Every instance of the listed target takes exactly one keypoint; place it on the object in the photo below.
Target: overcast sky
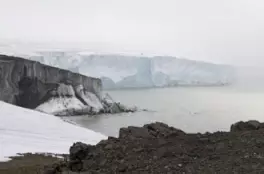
(224, 31)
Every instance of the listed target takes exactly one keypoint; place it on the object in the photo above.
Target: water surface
(192, 109)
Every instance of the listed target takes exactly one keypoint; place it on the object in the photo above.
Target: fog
(226, 31)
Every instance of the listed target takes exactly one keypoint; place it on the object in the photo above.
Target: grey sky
(224, 31)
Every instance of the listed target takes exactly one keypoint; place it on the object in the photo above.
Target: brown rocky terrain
(28, 164)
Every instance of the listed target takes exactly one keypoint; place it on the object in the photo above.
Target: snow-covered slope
(60, 104)
(23, 130)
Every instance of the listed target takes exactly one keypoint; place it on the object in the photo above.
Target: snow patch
(90, 98)
(64, 90)
(23, 130)
(59, 104)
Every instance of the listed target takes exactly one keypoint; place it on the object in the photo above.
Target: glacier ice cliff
(124, 71)
(33, 85)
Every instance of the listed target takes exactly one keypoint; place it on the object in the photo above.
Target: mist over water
(249, 77)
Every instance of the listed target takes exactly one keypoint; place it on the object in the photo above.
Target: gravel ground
(28, 164)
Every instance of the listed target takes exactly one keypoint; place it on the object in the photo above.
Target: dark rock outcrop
(246, 126)
(20, 76)
(79, 151)
(110, 106)
(154, 130)
(123, 154)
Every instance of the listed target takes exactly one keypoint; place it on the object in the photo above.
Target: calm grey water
(192, 109)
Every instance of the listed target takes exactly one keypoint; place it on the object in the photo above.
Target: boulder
(159, 129)
(115, 108)
(149, 131)
(110, 106)
(245, 126)
(78, 151)
(134, 132)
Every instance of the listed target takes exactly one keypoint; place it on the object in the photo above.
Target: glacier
(28, 131)
(118, 70)
(124, 71)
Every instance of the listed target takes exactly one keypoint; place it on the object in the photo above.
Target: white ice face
(136, 71)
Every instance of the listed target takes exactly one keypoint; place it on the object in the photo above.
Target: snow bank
(65, 90)
(60, 104)
(65, 99)
(23, 130)
(90, 98)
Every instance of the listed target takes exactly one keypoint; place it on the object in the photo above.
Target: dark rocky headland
(33, 85)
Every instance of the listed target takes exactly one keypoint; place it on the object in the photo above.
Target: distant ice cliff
(121, 71)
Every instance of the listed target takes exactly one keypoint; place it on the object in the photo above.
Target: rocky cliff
(56, 91)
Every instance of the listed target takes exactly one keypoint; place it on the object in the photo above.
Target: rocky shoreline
(67, 101)
(159, 148)
(109, 106)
